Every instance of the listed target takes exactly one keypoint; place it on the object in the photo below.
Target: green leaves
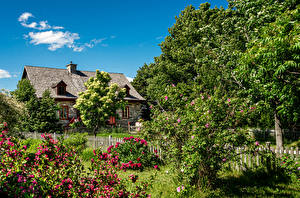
(99, 101)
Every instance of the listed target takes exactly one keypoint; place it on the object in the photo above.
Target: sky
(112, 36)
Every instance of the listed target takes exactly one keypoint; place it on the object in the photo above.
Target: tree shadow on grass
(259, 183)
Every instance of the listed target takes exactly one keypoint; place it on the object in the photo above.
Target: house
(65, 85)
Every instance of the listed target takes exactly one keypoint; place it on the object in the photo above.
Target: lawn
(231, 184)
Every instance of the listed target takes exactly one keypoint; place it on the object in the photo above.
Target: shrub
(290, 165)
(56, 171)
(77, 141)
(134, 153)
(87, 154)
(199, 134)
(32, 144)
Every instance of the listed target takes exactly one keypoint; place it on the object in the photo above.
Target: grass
(257, 183)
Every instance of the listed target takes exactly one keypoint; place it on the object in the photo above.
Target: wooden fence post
(109, 140)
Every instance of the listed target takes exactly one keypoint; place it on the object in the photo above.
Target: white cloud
(129, 79)
(42, 25)
(24, 17)
(4, 74)
(54, 37)
(94, 42)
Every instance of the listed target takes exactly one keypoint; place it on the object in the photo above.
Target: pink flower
(156, 167)
(173, 85)
(228, 100)
(178, 189)
(224, 159)
(242, 111)
(257, 143)
(207, 125)
(193, 137)
(178, 120)
(202, 97)
(192, 103)
(151, 107)
(182, 187)
(166, 97)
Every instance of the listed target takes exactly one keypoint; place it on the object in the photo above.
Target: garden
(222, 75)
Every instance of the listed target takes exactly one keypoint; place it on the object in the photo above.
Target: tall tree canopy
(204, 46)
(99, 101)
(270, 70)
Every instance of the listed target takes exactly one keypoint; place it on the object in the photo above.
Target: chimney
(71, 68)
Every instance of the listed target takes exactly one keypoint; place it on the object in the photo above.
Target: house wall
(134, 113)
(135, 110)
(72, 111)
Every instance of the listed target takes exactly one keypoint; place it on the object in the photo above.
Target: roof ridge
(66, 69)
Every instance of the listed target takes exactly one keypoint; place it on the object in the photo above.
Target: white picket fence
(245, 159)
(253, 160)
(93, 142)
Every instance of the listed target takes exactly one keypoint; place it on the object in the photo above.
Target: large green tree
(204, 44)
(270, 70)
(99, 101)
(40, 114)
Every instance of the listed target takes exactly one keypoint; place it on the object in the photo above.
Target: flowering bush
(290, 165)
(134, 153)
(56, 171)
(199, 136)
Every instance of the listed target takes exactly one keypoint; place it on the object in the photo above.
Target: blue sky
(113, 36)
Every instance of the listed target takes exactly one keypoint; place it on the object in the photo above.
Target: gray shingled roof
(43, 78)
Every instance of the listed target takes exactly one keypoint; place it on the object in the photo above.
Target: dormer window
(61, 88)
(127, 90)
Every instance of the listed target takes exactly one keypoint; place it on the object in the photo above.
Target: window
(125, 113)
(127, 90)
(61, 90)
(64, 113)
(112, 120)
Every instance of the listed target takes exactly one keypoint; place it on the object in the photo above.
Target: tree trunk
(278, 131)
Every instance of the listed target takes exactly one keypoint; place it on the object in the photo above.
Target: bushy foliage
(290, 165)
(31, 144)
(99, 101)
(11, 111)
(56, 171)
(39, 114)
(133, 153)
(200, 135)
(77, 141)
(87, 154)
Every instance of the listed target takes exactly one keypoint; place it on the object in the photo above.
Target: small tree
(99, 101)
